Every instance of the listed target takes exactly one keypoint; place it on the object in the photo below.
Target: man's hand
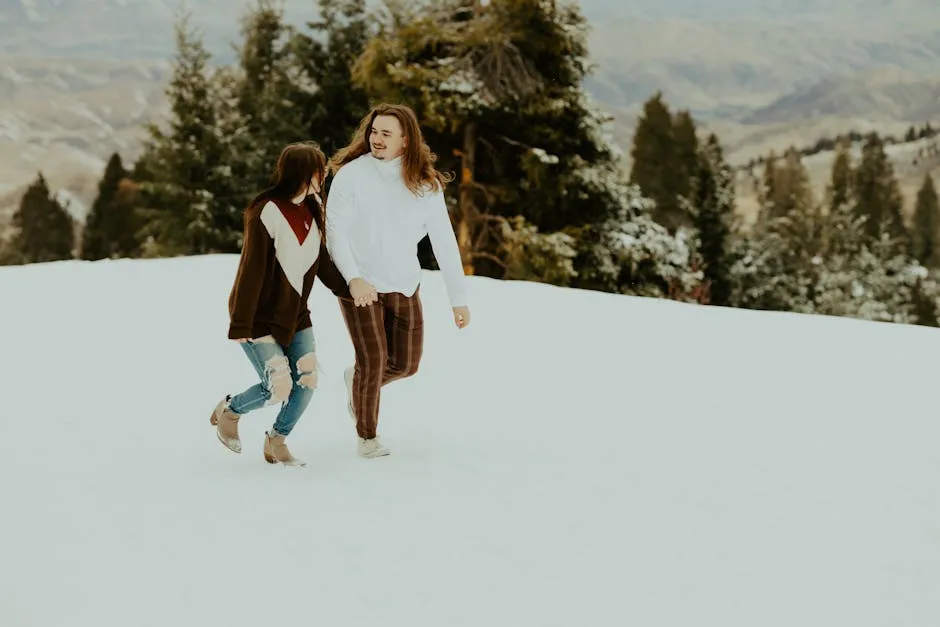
(461, 316)
(362, 292)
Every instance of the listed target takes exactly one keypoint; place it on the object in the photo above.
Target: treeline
(541, 193)
(849, 253)
(827, 143)
(498, 86)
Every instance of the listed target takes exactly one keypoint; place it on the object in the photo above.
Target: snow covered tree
(111, 226)
(712, 201)
(925, 232)
(528, 254)
(826, 263)
(631, 253)
(773, 270)
(871, 280)
(456, 64)
(876, 194)
(44, 230)
(775, 266)
(924, 306)
(498, 88)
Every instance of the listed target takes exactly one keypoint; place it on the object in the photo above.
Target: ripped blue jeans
(288, 376)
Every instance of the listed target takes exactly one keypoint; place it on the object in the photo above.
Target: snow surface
(570, 459)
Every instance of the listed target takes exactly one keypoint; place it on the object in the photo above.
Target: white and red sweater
(279, 262)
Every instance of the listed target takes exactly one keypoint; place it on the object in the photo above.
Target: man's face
(387, 140)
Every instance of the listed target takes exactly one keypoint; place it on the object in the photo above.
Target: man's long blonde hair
(417, 158)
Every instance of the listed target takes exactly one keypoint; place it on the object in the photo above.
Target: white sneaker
(348, 376)
(371, 448)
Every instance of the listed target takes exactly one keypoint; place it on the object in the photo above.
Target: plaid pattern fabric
(388, 339)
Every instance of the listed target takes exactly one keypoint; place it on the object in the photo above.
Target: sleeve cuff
(239, 331)
(459, 300)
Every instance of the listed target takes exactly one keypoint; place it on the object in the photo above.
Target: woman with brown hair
(269, 317)
(386, 195)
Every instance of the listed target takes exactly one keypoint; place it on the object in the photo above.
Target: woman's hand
(461, 316)
(362, 292)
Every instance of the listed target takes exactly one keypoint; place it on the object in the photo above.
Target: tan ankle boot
(226, 425)
(275, 450)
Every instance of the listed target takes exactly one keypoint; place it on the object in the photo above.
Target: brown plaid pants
(388, 338)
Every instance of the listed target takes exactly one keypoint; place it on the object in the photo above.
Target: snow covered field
(571, 459)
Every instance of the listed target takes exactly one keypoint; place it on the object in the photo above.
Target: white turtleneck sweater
(374, 223)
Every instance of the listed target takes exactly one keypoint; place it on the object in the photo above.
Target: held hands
(362, 292)
(461, 316)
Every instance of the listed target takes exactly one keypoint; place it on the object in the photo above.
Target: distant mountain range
(720, 58)
(79, 77)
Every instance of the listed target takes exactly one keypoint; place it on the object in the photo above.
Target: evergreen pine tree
(776, 268)
(497, 87)
(44, 231)
(111, 226)
(332, 108)
(839, 190)
(767, 192)
(713, 200)
(925, 232)
(654, 156)
(877, 197)
(185, 171)
(633, 254)
(786, 186)
(686, 152)
(268, 96)
(925, 311)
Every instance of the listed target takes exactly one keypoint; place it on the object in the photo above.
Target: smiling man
(386, 195)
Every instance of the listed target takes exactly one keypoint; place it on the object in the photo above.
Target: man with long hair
(386, 195)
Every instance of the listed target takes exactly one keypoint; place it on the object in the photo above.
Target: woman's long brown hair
(298, 164)
(417, 159)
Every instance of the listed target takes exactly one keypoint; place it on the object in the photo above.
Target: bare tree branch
(491, 257)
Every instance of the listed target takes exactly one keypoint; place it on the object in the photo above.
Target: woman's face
(315, 182)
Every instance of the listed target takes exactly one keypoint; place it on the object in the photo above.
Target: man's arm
(446, 251)
(340, 217)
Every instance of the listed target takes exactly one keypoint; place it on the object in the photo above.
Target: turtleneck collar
(390, 166)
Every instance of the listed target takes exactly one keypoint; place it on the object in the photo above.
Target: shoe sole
(271, 459)
(294, 464)
(375, 455)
